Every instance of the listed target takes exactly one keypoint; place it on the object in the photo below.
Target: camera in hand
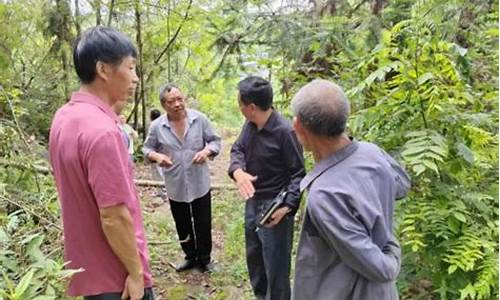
(271, 207)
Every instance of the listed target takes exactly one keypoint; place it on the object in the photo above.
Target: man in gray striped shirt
(347, 249)
(181, 141)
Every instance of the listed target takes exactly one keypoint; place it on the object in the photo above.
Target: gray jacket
(347, 249)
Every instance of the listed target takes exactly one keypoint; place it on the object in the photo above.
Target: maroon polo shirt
(92, 170)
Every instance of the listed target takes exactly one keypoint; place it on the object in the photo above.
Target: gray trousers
(148, 295)
(268, 253)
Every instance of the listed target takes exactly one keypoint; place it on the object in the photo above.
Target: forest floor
(231, 279)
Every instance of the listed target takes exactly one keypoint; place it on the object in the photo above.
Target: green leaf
(461, 51)
(33, 248)
(418, 169)
(44, 297)
(460, 217)
(24, 284)
(68, 273)
(431, 165)
(412, 151)
(438, 150)
(30, 237)
(465, 152)
(452, 269)
(13, 222)
(315, 45)
(424, 78)
(416, 134)
(4, 238)
(493, 32)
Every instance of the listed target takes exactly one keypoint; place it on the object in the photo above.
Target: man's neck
(262, 117)
(176, 117)
(323, 148)
(94, 89)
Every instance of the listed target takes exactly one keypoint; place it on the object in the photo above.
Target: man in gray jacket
(347, 249)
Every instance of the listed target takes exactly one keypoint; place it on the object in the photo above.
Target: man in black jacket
(265, 159)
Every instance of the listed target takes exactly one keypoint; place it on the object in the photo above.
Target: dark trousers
(148, 295)
(268, 254)
(193, 222)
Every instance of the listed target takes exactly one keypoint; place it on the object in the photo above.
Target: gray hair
(166, 89)
(322, 108)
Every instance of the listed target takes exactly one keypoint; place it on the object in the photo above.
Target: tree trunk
(111, 8)
(77, 18)
(140, 67)
(65, 65)
(62, 7)
(467, 17)
(377, 6)
(136, 108)
(169, 66)
(97, 8)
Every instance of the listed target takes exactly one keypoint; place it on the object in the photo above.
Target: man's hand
(277, 216)
(201, 156)
(134, 288)
(244, 182)
(161, 159)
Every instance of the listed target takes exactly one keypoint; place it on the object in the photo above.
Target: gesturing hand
(244, 182)
(163, 160)
(201, 156)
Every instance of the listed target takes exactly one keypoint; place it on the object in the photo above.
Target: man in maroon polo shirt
(103, 228)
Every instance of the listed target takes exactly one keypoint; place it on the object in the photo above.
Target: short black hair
(154, 114)
(103, 44)
(166, 89)
(256, 90)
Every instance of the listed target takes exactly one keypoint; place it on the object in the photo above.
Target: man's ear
(253, 107)
(102, 70)
(297, 127)
(301, 133)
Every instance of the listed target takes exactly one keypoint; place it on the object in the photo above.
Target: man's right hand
(161, 159)
(134, 288)
(244, 182)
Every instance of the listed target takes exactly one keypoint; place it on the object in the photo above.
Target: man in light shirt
(182, 141)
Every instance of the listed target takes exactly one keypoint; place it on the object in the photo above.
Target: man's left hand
(277, 216)
(201, 156)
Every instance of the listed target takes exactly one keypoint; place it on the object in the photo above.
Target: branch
(172, 40)
(19, 131)
(29, 211)
(20, 166)
(356, 7)
(142, 182)
(185, 63)
(138, 182)
(224, 56)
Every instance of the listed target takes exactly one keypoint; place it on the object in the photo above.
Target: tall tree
(140, 66)
(96, 5)
(77, 18)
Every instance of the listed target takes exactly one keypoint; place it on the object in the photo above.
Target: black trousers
(193, 222)
(268, 253)
(148, 295)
